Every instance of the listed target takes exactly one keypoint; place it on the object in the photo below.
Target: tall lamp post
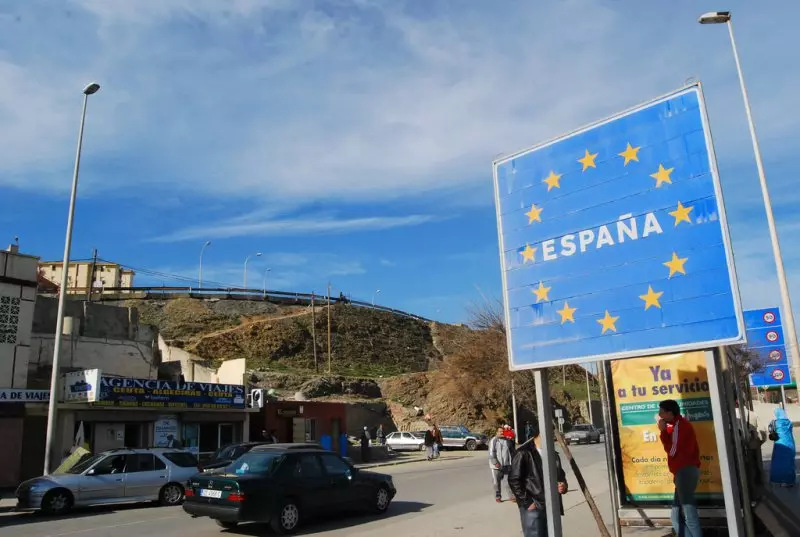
(266, 271)
(724, 17)
(52, 409)
(200, 274)
(376, 293)
(246, 261)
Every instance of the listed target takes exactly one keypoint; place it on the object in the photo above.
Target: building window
(9, 319)
(311, 430)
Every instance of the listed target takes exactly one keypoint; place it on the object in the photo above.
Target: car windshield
(84, 463)
(255, 463)
(223, 453)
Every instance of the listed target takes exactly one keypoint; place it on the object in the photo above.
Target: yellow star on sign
(588, 160)
(651, 298)
(541, 293)
(567, 313)
(552, 180)
(630, 153)
(608, 322)
(528, 253)
(535, 214)
(676, 264)
(662, 175)
(681, 214)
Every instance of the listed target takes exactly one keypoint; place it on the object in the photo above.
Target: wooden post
(314, 332)
(329, 328)
(598, 518)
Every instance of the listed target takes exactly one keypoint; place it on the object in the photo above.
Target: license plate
(205, 493)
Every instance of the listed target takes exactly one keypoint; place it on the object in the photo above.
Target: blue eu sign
(765, 337)
(614, 241)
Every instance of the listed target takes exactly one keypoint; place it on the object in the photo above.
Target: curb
(387, 463)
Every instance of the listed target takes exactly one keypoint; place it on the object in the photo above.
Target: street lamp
(246, 261)
(52, 408)
(267, 271)
(724, 17)
(200, 275)
(377, 292)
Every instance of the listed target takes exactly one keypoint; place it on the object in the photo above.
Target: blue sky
(352, 141)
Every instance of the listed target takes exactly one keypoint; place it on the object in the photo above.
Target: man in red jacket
(683, 459)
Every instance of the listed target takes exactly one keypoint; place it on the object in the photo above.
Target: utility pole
(563, 376)
(329, 328)
(589, 395)
(91, 276)
(314, 332)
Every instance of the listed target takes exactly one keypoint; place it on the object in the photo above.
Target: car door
(408, 441)
(343, 490)
(104, 482)
(145, 474)
(452, 438)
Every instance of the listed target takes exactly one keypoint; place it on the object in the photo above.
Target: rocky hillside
(364, 343)
(457, 374)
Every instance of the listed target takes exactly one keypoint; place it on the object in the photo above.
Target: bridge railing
(109, 294)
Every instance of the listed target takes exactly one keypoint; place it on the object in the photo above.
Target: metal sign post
(614, 244)
(730, 488)
(548, 442)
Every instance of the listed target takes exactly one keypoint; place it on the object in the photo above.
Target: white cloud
(302, 101)
(298, 226)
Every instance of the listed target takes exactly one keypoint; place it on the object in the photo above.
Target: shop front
(103, 412)
(305, 421)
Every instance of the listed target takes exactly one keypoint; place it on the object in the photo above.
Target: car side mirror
(91, 472)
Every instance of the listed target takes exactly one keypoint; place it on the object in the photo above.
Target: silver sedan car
(400, 441)
(116, 476)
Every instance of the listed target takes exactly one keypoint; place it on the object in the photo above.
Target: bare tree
(487, 315)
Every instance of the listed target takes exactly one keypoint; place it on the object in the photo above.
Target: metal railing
(112, 294)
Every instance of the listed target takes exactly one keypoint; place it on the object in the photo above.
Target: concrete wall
(18, 281)
(370, 415)
(93, 319)
(230, 372)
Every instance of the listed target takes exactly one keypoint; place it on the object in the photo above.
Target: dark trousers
(534, 523)
(365, 453)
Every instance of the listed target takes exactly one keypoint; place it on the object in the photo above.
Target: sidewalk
(783, 501)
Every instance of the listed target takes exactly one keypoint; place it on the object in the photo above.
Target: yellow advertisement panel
(640, 384)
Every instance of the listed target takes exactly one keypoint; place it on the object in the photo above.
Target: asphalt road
(449, 497)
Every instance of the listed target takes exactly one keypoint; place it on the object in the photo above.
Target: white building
(18, 283)
(85, 274)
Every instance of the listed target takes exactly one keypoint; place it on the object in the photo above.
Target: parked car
(583, 434)
(402, 441)
(115, 476)
(227, 454)
(459, 437)
(282, 487)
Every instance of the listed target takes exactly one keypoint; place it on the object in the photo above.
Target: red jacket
(680, 443)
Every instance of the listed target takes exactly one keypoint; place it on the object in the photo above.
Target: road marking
(88, 530)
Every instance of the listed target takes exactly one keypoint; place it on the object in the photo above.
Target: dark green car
(282, 487)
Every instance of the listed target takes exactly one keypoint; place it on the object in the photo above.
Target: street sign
(614, 242)
(765, 336)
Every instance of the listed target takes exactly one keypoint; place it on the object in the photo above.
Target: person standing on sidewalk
(381, 435)
(437, 441)
(365, 442)
(683, 459)
(527, 482)
(499, 463)
(429, 441)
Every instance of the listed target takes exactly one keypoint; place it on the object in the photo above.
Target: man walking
(683, 459)
(365, 442)
(527, 482)
(499, 462)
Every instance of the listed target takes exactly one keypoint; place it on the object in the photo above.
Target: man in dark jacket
(527, 482)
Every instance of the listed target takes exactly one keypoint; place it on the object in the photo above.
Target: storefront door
(226, 434)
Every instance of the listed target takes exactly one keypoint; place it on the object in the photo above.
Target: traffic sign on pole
(614, 241)
(765, 337)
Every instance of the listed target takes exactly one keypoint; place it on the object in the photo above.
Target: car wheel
(287, 518)
(171, 494)
(57, 502)
(471, 445)
(422, 447)
(226, 525)
(382, 500)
